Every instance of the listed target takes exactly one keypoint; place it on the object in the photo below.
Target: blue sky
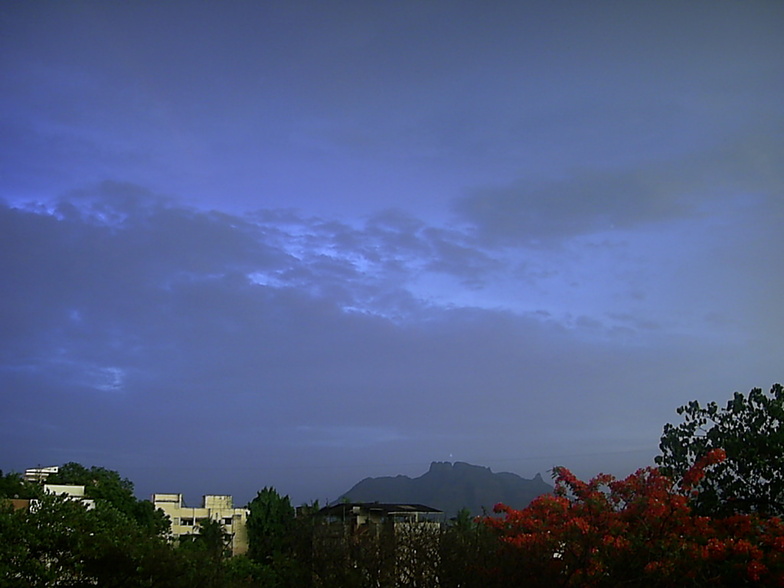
(297, 244)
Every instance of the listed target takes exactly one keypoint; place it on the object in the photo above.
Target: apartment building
(71, 492)
(40, 474)
(217, 507)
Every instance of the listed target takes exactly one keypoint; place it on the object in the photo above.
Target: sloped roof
(385, 508)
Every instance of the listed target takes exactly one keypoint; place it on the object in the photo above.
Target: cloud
(531, 212)
(197, 335)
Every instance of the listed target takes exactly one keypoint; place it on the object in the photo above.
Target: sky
(296, 244)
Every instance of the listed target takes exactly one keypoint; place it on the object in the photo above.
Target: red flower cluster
(639, 531)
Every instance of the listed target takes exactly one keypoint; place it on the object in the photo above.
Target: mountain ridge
(451, 487)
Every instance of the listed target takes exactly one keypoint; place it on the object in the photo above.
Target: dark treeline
(122, 541)
(709, 516)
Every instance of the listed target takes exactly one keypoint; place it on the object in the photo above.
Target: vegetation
(13, 485)
(750, 430)
(640, 531)
(270, 525)
(107, 486)
(708, 517)
(59, 542)
(119, 541)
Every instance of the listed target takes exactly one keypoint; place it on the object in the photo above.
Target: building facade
(40, 474)
(359, 515)
(393, 544)
(71, 492)
(217, 507)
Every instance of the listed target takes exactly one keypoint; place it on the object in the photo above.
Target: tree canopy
(270, 523)
(61, 542)
(102, 484)
(117, 541)
(13, 485)
(639, 531)
(750, 430)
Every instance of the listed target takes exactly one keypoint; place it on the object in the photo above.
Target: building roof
(40, 474)
(348, 508)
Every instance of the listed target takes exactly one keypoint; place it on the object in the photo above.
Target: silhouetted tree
(467, 549)
(750, 429)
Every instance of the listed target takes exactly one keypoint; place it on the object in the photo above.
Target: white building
(39, 474)
(71, 492)
(217, 507)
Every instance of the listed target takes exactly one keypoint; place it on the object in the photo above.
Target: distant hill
(450, 487)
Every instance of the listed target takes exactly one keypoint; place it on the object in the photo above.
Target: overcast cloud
(291, 245)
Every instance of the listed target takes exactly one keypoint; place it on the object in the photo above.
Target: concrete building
(357, 515)
(402, 538)
(70, 492)
(217, 507)
(39, 474)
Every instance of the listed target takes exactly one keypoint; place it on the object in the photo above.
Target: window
(187, 522)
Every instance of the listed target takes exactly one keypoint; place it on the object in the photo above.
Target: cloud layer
(141, 332)
(288, 244)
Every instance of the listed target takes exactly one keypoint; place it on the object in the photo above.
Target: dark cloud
(612, 249)
(162, 334)
(587, 202)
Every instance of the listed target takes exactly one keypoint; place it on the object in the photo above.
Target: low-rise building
(40, 474)
(358, 514)
(72, 492)
(217, 507)
(401, 540)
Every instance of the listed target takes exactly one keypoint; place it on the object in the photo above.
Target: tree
(465, 547)
(212, 542)
(206, 553)
(60, 542)
(640, 531)
(270, 523)
(13, 485)
(750, 429)
(272, 533)
(102, 484)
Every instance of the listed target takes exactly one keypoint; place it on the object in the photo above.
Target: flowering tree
(640, 531)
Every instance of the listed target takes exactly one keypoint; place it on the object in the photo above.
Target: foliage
(708, 516)
(348, 557)
(211, 543)
(59, 542)
(465, 547)
(240, 570)
(750, 429)
(640, 531)
(13, 485)
(270, 523)
(402, 553)
(276, 541)
(102, 484)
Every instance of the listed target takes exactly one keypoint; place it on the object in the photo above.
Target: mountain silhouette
(452, 486)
